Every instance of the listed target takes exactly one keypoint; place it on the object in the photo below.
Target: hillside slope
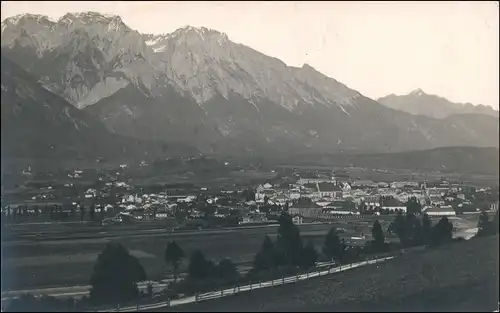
(467, 160)
(459, 277)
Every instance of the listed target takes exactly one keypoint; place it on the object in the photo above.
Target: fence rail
(252, 286)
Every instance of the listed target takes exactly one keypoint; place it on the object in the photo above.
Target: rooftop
(327, 187)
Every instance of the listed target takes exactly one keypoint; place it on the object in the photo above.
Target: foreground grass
(460, 277)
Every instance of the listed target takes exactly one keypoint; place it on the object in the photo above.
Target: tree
(226, 270)
(426, 224)
(332, 247)
(265, 258)
(82, 213)
(351, 254)
(173, 256)
(413, 227)
(484, 224)
(442, 232)
(398, 227)
(288, 242)
(150, 291)
(199, 268)
(208, 210)
(248, 195)
(363, 208)
(115, 276)
(495, 223)
(378, 236)
(309, 256)
(92, 213)
(413, 206)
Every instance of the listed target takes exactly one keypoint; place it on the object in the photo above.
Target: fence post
(137, 306)
(196, 297)
(282, 280)
(307, 274)
(168, 302)
(272, 282)
(250, 285)
(222, 292)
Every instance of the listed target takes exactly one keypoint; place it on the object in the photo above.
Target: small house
(297, 219)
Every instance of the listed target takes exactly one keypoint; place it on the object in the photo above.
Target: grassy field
(65, 256)
(459, 277)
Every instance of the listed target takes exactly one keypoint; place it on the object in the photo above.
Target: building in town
(440, 211)
(303, 181)
(297, 219)
(393, 205)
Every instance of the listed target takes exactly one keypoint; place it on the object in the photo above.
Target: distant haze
(446, 48)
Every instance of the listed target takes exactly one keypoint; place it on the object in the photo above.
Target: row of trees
(287, 252)
(413, 231)
(53, 212)
(487, 227)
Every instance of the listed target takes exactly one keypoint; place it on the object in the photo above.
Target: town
(106, 197)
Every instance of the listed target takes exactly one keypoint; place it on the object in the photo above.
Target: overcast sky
(445, 48)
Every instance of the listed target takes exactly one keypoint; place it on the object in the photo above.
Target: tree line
(55, 212)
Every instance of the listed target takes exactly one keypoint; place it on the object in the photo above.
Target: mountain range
(197, 88)
(39, 124)
(418, 102)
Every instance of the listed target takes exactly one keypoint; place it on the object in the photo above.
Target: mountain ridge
(197, 85)
(418, 102)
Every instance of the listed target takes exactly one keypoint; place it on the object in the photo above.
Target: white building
(303, 181)
(261, 193)
(441, 211)
(393, 205)
(494, 206)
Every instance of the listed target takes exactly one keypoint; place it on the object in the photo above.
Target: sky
(376, 47)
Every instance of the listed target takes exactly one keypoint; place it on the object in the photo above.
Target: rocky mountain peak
(22, 19)
(90, 17)
(417, 92)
